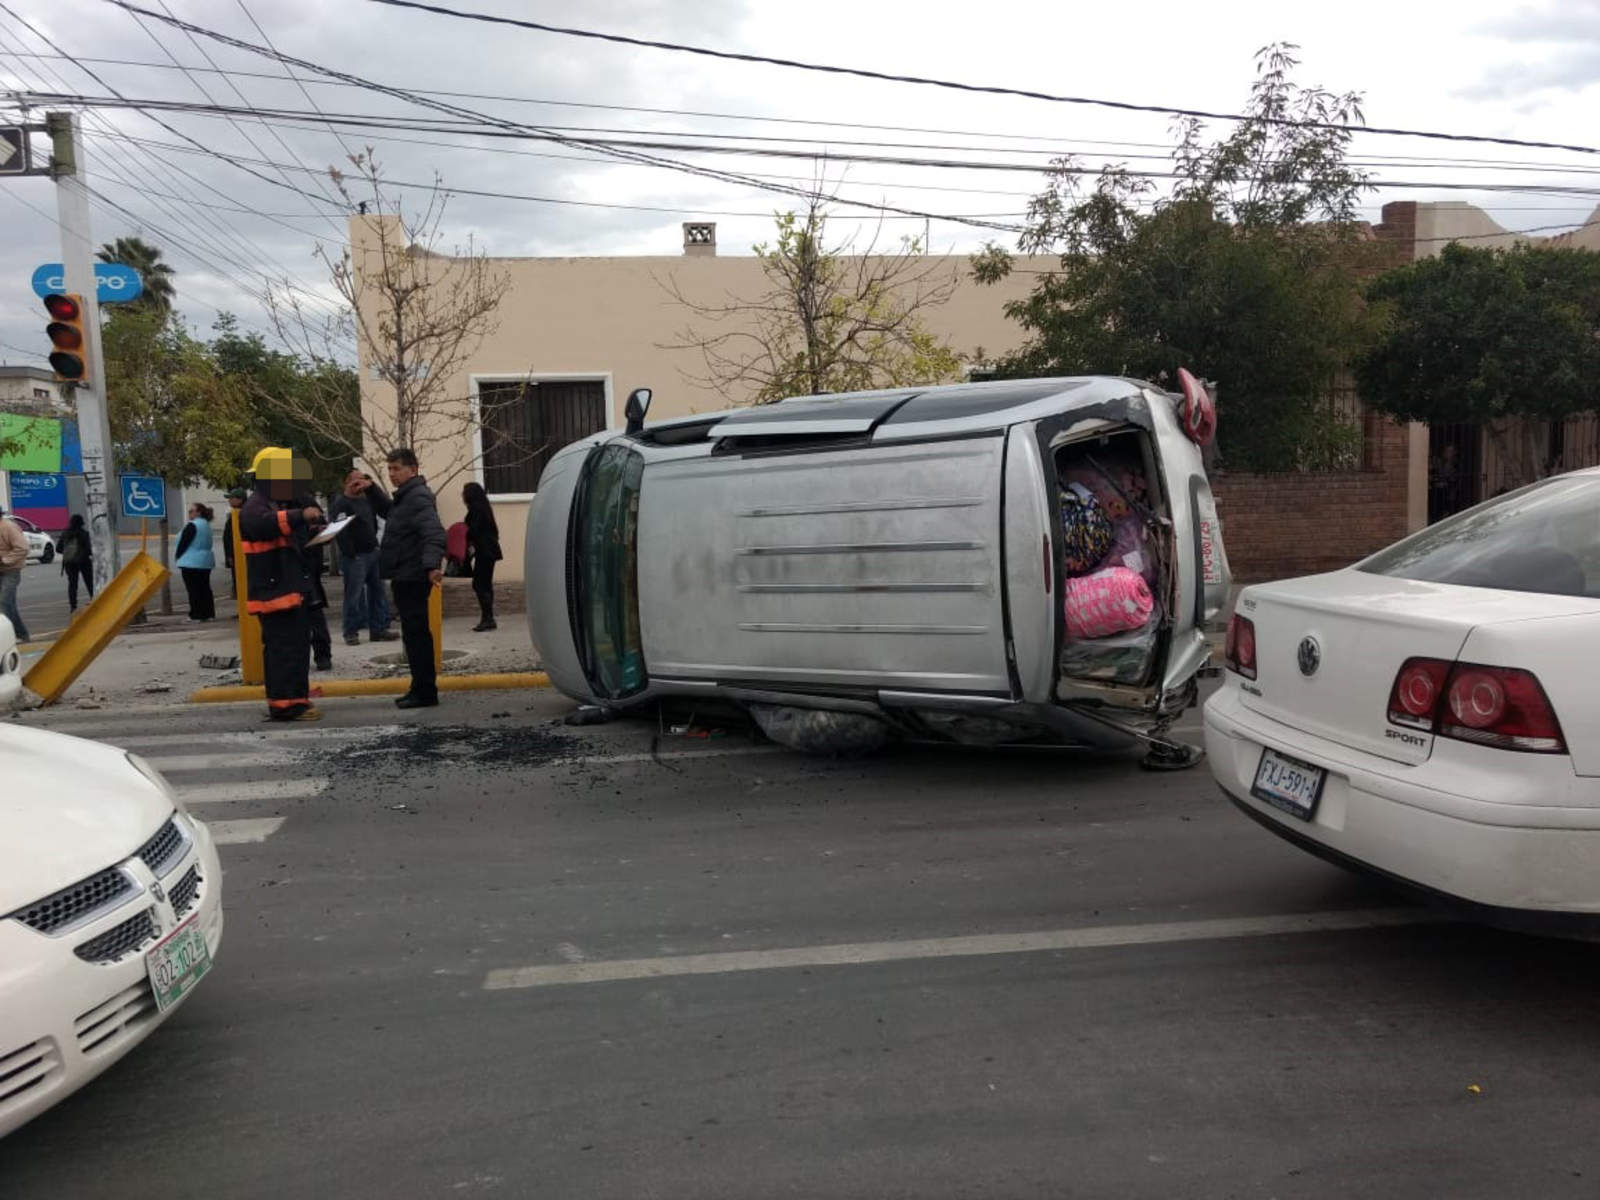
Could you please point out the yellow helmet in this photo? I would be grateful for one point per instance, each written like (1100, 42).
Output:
(274, 462)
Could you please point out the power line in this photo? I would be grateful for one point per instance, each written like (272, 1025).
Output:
(810, 122)
(450, 189)
(622, 154)
(475, 128)
(220, 247)
(987, 89)
(287, 70)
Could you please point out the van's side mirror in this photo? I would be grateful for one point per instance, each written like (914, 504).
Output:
(638, 404)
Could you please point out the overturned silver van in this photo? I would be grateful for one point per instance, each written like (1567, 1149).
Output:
(895, 556)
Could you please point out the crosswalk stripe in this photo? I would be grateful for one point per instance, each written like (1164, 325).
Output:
(135, 736)
(238, 833)
(171, 764)
(234, 792)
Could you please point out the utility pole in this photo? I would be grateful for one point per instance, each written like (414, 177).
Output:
(77, 255)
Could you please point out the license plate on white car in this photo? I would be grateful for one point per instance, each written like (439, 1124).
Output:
(1289, 784)
(177, 962)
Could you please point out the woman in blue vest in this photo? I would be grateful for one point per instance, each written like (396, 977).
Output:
(195, 560)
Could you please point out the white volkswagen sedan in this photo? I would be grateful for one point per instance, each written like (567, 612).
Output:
(110, 912)
(1432, 713)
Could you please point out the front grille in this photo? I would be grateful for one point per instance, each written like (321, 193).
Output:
(74, 904)
(183, 893)
(119, 941)
(27, 1068)
(161, 851)
(124, 1011)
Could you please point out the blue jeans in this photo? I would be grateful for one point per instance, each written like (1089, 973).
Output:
(364, 600)
(9, 580)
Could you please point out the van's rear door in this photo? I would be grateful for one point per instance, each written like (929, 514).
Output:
(840, 568)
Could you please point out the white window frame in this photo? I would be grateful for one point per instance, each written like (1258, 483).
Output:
(476, 378)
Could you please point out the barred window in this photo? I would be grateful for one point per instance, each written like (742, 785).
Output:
(525, 423)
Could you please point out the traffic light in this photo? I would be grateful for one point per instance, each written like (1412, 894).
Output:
(69, 355)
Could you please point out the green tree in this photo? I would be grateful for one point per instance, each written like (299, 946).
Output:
(173, 410)
(1509, 339)
(831, 320)
(281, 387)
(1247, 272)
(147, 260)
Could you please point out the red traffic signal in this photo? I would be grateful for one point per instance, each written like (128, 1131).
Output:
(69, 357)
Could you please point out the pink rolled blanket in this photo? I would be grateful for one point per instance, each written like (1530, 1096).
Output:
(1114, 600)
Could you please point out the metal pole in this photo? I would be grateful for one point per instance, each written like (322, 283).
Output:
(94, 427)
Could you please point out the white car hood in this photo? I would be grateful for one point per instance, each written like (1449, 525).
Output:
(68, 808)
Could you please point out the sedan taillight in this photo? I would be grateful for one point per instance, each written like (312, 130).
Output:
(1503, 707)
(1239, 652)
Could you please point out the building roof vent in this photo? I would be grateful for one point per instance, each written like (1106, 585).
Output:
(700, 237)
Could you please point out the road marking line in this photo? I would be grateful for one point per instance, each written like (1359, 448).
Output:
(168, 764)
(238, 833)
(255, 789)
(861, 953)
(668, 756)
(131, 735)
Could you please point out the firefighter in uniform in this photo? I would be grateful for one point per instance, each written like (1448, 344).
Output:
(273, 530)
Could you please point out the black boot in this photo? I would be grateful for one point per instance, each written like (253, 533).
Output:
(486, 619)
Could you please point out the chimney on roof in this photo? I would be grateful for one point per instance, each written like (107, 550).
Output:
(700, 238)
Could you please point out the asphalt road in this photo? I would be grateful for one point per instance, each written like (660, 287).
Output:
(572, 964)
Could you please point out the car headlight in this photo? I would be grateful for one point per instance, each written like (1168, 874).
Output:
(155, 777)
(9, 661)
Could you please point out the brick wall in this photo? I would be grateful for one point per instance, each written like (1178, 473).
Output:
(1276, 526)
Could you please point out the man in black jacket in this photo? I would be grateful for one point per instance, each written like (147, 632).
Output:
(364, 602)
(411, 557)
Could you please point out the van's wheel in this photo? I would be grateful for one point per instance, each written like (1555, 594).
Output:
(1171, 756)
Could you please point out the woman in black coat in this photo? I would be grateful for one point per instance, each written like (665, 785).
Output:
(77, 559)
(483, 538)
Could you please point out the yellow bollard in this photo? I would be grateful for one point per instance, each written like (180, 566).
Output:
(436, 625)
(251, 667)
(111, 609)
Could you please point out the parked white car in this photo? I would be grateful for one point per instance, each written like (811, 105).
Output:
(110, 912)
(41, 547)
(1432, 713)
(10, 666)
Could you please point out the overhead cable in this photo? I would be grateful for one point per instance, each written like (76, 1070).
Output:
(987, 89)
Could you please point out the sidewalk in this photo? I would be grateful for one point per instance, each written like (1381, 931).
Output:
(159, 663)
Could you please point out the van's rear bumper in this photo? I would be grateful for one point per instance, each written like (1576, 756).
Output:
(1520, 866)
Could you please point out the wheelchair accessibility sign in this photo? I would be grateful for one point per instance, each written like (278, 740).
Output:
(143, 496)
(114, 283)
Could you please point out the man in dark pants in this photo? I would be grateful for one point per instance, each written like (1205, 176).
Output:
(364, 602)
(273, 529)
(411, 557)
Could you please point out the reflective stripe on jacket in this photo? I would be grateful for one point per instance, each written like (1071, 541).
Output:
(274, 567)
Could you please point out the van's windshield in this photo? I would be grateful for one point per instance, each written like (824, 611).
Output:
(607, 572)
(1542, 538)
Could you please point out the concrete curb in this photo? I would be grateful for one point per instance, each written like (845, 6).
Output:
(379, 687)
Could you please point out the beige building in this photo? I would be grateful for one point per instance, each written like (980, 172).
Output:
(33, 391)
(575, 335)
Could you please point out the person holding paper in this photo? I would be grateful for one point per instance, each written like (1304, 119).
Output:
(273, 528)
(365, 604)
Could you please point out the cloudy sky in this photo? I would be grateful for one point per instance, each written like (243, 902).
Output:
(235, 202)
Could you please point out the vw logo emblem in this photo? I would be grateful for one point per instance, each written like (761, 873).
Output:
(1309, 656)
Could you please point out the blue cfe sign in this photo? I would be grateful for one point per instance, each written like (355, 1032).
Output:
(114, 283)
(143, 496)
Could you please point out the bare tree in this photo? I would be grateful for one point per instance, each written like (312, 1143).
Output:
(417, 317)
(831, 319)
